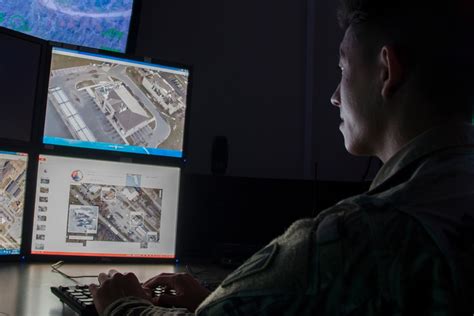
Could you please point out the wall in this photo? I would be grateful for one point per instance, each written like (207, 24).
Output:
(259, 80)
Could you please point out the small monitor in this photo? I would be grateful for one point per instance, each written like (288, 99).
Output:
(100, 101)
(12, 200)
(22, 60)
(95, 208)
(102, 24)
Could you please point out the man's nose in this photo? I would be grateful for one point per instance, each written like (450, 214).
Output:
(336, 96)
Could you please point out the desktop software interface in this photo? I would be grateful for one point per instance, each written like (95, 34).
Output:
(114, 104)
(12, 198)
(101, 208)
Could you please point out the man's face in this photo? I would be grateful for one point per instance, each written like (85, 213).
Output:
(358, 98)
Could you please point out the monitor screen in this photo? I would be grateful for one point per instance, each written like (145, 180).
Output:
(12, 200)
(100, 208)
(102, 24)
(102, 102)
(20, 65)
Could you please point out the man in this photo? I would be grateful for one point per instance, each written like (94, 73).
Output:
(405, 247)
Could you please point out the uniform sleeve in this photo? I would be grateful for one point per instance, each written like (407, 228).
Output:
(261, 305)
(305, 273)
(132, 306)
(273, 281)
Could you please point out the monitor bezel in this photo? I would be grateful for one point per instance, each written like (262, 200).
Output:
(134, 27)
(119, 154)
(27, 237)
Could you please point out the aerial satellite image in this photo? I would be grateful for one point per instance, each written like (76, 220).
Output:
(12, 191)
(102, 24)
(114, 213)
(115, 104)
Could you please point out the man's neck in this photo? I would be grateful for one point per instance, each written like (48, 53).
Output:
(398, 135)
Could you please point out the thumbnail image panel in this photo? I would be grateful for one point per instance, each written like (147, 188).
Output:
(100, 24)
(12, 191)
(102, 102)
(114, 213)
(82, 219)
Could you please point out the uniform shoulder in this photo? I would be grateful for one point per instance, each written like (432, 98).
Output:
(363, 215)
(277, 270)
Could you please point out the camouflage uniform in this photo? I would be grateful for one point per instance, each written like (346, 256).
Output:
(403, 248)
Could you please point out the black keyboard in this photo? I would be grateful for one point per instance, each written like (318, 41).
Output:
(79, 298)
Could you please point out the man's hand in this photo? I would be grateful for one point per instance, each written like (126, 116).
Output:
(189, 293)
(113, 286)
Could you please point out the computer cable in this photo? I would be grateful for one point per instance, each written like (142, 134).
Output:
(56, 268)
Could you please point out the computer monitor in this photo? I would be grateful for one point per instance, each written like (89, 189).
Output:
(95, 208)
(105, 102)
(22, 64)
(12, 200)
(102, 24)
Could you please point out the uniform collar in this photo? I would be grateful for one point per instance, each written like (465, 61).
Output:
(437, 138)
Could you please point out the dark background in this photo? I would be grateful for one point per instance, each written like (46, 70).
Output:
(264, 72)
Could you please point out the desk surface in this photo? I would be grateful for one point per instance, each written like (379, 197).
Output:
(25, 287)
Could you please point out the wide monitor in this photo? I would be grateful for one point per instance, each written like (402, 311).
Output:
(12, 200)
(102, 24)
(105, 102)
(22, 64)
(94, 208)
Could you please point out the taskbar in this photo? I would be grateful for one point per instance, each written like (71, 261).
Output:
(110, 255)
(9, 252)
(49, 140)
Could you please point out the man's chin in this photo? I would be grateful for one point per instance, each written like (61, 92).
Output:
(352, 147)
(356, 150)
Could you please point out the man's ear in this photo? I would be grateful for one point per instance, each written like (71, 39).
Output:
(391, 71)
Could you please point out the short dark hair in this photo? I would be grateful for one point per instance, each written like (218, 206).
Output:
(433, 38)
